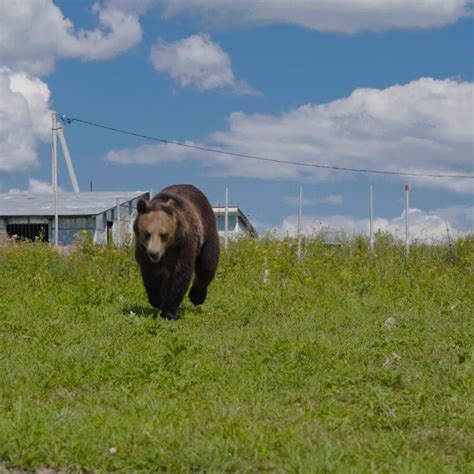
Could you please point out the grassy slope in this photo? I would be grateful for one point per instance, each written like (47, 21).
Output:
(298, 374)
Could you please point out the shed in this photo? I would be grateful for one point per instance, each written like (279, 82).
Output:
(106, 216)
(237, 222)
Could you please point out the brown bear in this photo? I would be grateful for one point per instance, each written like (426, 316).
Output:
(176, 236)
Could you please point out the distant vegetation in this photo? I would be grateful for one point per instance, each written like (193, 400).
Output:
(345, 362)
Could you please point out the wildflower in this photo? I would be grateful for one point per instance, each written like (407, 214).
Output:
(266, 275)
(388, 361)
(112, 450)
(389, 323)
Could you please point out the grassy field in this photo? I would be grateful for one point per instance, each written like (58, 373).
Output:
(345, 362)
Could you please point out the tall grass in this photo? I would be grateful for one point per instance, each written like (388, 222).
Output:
(343, 362)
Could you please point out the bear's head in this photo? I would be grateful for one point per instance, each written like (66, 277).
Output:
(156, 227)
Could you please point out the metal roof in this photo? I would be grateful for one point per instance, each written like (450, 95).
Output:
(220, 210)
(69, 204)
(230, 209)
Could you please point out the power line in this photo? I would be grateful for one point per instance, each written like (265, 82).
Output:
(260, 158)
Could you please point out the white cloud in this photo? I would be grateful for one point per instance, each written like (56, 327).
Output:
(197, 61)
(332, 200)
(25, 119)
(35, 34)
(148, 154)
(424, 226)
(323, 15)
(424, 126)
(132, 7)
(460, 216)
(34, 186)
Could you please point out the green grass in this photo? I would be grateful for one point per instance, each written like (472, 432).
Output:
(345, 362)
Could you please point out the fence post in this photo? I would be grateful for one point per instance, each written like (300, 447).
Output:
(371, 219)
(226, 218)
(119, 240)
(300, 215)
(407, 232)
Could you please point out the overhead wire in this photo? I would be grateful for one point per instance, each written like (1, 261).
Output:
(68, 120)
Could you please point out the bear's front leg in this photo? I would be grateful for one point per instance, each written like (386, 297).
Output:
(153, 286)
(173, 293)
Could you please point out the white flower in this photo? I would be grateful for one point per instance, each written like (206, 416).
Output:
(389, 323)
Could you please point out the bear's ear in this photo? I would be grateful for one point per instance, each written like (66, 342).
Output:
(169, 206)
(142, 206)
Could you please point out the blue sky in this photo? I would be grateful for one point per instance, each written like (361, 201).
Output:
(309, 82)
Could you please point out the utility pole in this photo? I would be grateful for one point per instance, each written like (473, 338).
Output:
(67, 157)
(54, 140)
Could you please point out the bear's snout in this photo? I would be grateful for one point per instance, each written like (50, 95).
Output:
(154, 256)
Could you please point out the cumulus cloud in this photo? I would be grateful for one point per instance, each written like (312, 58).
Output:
(149, 154)
(424, 126)
(25, 119)
(199, 62)
(34, 186)
(332, 200)
(425, 226)
(323, 15)
(35, 34)
(459, 216)
(132, 7)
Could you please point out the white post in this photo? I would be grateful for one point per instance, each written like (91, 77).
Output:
(53, 163)
(407, 233)
(371, 219)
(54, 140)
(67, 157)
(300, 215)
(226, 218)
(119, 240)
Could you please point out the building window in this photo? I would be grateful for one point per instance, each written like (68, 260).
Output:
(28, 231)
(231, 219)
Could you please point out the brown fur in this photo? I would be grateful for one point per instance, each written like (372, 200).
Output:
(176, 236)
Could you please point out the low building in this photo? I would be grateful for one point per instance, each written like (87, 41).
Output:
(106, 216)
(237, 222)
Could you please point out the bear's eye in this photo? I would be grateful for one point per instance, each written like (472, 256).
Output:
(146, 235)
(164, 237)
